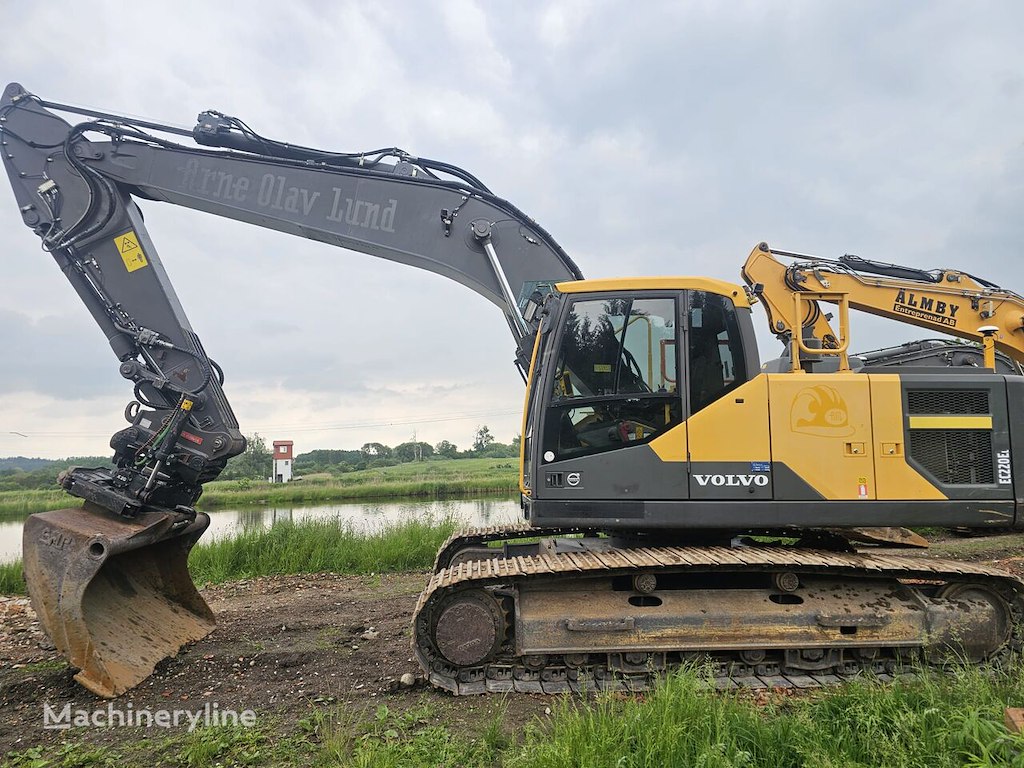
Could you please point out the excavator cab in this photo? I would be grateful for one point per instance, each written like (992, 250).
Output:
(625, 363)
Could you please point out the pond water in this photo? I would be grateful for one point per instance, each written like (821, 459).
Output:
(364, 515)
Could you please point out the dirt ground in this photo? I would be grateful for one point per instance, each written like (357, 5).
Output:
(283, 644)
(286, 644)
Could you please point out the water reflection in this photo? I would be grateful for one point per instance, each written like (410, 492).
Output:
(364, 516)
(257, 518)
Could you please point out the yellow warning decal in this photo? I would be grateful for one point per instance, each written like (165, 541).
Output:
(130, 250)
(186, 405)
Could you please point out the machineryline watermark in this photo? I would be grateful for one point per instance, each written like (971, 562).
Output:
(127, 716)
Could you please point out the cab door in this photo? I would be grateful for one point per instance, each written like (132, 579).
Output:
(727, 402)
(613, 390)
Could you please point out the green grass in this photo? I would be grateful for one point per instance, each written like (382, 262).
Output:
(935, 721)
(65, 755)
(15, 503)
(227, 745)
(11, 580)
(220, 746)
(410, 739)
(314, 546)
(929, 722)
(424, 479)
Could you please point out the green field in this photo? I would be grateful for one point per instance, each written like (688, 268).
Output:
(432, 479)
(437, 478)
(25, 502)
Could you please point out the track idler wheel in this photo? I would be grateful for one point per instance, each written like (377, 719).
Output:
(984, 627)
(470, 628)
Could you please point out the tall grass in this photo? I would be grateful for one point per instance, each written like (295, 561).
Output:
(307, 546)
(934, 721)
(16, 503)
(12, 582)
(313, 546)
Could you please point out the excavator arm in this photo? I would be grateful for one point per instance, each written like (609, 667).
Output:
(941, 300)
(76, 186)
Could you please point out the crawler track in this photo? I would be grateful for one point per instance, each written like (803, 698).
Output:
(639, 660)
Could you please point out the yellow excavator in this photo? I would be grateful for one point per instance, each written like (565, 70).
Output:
(680, 499)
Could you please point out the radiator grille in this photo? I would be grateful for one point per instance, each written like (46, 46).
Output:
(962, 401)
(952, 456)
(955, 456)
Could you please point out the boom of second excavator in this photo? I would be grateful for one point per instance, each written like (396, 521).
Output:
(944, 301)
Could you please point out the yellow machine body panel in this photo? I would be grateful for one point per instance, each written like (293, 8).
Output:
(673, 446)
(733, 428)
(841, 434)
(821, 430)
(894, 477)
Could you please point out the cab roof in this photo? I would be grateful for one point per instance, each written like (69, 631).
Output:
(708, 284)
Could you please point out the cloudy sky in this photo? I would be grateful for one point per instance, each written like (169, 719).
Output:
(647, 137)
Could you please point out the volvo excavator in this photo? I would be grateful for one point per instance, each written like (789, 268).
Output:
(680, 500)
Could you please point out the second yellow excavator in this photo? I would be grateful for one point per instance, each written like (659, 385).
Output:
(680, 500)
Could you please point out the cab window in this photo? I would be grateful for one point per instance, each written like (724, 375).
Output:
(616, 382)
(716, 360)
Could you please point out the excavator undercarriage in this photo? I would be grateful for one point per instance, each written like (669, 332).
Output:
(581, 614)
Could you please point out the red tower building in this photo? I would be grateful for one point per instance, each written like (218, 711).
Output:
(282, 461)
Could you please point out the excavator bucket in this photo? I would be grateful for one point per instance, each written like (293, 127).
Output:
(114, 594)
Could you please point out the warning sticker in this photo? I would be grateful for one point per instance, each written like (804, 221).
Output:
(192, 438)
(131, 253)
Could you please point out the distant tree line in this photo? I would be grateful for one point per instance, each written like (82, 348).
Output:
(256, 463)
(18, 473)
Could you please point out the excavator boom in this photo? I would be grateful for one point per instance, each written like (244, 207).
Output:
(76, 187)
(941, 300)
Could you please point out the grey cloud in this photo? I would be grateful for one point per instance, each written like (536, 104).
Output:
(62, 356)
(658, 138)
